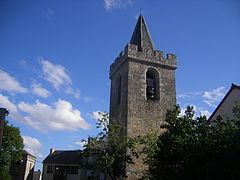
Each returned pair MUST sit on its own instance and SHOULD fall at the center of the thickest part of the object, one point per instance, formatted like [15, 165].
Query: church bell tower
[142, 84]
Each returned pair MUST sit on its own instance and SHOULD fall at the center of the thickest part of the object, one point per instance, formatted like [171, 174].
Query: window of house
[152, 84]
[72, 170]
[50, 169]
[61, 170]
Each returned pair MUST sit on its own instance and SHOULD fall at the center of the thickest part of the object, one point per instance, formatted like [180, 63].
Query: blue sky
[55, 57]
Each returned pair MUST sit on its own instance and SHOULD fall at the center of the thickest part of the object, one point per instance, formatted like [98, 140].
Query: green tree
[11, 150]
[195, 148]
[110, 150]
[148, 148]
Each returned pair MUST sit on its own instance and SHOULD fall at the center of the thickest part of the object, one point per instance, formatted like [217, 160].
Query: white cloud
[111, 4]
[49, 13]
[103, 116]
[55, 74]
[214, 96]
[182, 112]
[205, 113]
[195, 110]
[81, 143]
[96, 115]
[189, 95]
[38, 90]
[183, 96]
[13, 110]
[10, 84]
[198, 111]
[6, 103]
[69, 146]
[60, 117]
[210, 103]
[75, 93]
[32, 145]
[211, 98]
[87, 99]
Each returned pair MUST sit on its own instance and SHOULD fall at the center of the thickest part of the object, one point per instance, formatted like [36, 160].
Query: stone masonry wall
[135, 112]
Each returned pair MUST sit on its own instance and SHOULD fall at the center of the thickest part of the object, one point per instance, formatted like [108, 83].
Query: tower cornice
[155, 57]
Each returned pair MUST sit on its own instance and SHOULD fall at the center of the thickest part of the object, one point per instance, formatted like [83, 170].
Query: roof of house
[234, 86]
[141, 36]
[24, 152]
[64, 157]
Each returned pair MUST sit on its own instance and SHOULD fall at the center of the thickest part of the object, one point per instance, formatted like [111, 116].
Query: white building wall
[29, 166]
[226, 108]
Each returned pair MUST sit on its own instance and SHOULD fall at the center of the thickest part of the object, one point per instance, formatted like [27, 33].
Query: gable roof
[141, 36]
[64, 157]
[234, 86]
[24, 152]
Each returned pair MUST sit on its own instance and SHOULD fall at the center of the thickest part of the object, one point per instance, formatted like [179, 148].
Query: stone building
[3, 113]
[142, 87]
[61, 165]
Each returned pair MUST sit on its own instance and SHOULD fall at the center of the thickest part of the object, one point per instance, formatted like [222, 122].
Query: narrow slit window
[119, 89]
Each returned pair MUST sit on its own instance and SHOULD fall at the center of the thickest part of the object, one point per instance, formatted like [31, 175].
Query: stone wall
[135, 112]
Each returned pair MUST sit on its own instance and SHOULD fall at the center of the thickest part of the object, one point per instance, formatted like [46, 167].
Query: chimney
[52, 150]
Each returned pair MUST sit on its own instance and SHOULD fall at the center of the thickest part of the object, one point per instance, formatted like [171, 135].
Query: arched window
[152, 84]
[119, 89]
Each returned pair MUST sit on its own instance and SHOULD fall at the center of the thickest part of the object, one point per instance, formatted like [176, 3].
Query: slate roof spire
[141, 36]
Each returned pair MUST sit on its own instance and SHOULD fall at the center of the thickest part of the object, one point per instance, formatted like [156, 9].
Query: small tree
[109, 149]
[11, 150]
[195, 148]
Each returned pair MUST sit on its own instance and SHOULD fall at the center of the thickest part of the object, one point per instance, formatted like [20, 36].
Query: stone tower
[142, 85]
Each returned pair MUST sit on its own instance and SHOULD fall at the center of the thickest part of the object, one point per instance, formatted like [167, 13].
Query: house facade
[225, 107]
[24, 169]
[67, 165]
[62, 165]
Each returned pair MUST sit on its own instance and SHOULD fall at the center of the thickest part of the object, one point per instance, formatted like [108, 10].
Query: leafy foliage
[148, 148]
[11, 150]
[111, 151]
[195, 148]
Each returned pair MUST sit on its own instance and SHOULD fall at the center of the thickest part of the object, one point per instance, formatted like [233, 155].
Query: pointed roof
[230, 104]
[141, 36]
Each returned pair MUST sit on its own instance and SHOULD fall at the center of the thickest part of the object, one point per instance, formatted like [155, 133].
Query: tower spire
[141, 36]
